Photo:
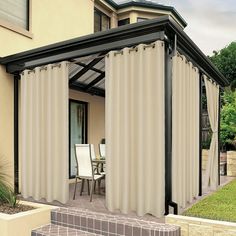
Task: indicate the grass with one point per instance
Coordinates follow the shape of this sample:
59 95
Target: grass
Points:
221 205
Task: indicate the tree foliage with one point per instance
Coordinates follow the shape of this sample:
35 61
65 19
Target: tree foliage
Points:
225 61
228 120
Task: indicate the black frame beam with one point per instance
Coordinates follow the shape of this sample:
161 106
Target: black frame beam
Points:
16 134
200 134
84 138
219 136
86 69
93 68
168 131
93 91
95 81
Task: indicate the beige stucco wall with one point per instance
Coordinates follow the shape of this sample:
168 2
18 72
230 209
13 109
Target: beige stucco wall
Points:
52 21
96 116
6 121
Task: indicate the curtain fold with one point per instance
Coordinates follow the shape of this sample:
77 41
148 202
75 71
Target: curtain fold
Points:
135 130
212 94
44 133
185 131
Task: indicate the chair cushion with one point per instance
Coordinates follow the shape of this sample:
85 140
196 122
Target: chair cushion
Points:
96 177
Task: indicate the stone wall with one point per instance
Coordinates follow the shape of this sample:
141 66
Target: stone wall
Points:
204 158
191 226
231 163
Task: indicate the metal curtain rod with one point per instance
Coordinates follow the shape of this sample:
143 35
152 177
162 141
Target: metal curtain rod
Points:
134 48
42 68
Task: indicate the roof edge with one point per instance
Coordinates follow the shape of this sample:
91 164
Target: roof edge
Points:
98 42
148 5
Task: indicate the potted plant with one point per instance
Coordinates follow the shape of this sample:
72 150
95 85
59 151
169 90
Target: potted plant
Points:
18 217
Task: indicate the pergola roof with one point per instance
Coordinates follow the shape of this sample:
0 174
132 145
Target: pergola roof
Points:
87 72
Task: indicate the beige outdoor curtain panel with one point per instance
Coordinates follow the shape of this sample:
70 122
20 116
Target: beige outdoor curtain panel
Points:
135 130
185 131
212 93
44 133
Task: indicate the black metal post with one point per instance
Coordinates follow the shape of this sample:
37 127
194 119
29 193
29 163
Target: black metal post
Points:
219 137
168 132
16 134
200 134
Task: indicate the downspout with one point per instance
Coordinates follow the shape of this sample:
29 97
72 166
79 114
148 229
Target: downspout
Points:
169 53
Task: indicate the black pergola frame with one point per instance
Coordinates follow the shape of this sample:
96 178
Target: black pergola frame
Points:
163 28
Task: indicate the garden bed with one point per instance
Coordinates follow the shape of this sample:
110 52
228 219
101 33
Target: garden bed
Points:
23 223
6 209
221 205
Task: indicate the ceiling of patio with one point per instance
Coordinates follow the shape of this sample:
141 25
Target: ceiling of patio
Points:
87 74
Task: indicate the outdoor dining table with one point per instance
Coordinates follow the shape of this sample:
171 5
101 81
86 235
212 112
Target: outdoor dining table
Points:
101 162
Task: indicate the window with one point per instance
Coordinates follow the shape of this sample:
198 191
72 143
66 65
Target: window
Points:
78 131
140 19
101 21
124 22
15 12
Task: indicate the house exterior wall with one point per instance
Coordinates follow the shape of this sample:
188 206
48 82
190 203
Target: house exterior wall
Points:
135 12
73 19
50 22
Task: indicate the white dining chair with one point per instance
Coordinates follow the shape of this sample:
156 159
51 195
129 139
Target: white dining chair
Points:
102 150
85 169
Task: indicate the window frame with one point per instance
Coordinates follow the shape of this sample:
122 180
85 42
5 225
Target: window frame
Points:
142 19
124 20
100 13
85 128
17 29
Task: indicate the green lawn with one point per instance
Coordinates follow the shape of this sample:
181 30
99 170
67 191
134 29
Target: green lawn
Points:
221 205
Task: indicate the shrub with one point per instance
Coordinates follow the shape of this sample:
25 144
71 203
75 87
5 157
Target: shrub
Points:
7 194
228 120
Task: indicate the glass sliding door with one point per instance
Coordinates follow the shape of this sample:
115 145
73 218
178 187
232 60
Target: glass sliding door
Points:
78 131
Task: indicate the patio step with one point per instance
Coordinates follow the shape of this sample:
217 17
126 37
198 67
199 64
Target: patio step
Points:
57 230
109 224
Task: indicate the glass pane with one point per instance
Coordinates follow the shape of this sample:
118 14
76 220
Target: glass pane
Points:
77 131
140 19
124 22
97 20
105 22
15 12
